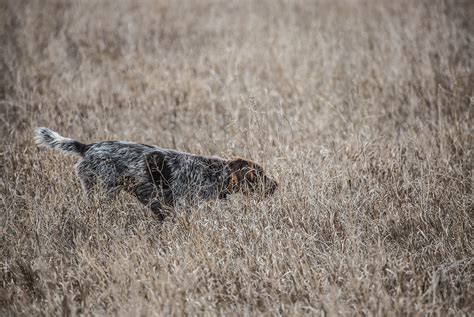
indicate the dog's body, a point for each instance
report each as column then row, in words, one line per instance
column 158, row 177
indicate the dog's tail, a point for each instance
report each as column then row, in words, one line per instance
column 49, row 138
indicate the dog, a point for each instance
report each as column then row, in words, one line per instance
column 159, row 178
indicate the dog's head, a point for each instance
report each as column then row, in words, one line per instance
column 248, row 177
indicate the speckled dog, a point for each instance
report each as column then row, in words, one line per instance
column 158, row 177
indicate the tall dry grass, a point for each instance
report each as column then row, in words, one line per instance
column 363, row 110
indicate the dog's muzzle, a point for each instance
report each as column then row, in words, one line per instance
column 270, row 186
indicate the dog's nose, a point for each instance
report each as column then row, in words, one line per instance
column 274, row 186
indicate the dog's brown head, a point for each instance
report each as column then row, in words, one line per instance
column 248, row 177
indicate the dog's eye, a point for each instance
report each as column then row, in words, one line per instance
column 259, row 169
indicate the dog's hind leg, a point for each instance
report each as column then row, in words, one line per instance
column 111, row 187
column 87, row 177
column 88, row 182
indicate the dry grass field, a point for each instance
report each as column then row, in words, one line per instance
column 362, row 110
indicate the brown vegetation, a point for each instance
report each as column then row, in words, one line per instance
column 363, row 111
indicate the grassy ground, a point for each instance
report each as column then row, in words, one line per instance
column 363, row 110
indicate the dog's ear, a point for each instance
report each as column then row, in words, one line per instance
column 158, row 168
column 241, row 174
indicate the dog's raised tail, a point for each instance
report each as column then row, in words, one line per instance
column 48, row 138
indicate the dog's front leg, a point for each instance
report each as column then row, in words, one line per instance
column 147, row 194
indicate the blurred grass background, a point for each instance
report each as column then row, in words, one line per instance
column 361, row 109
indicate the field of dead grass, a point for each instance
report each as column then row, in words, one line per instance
column 363, row 111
